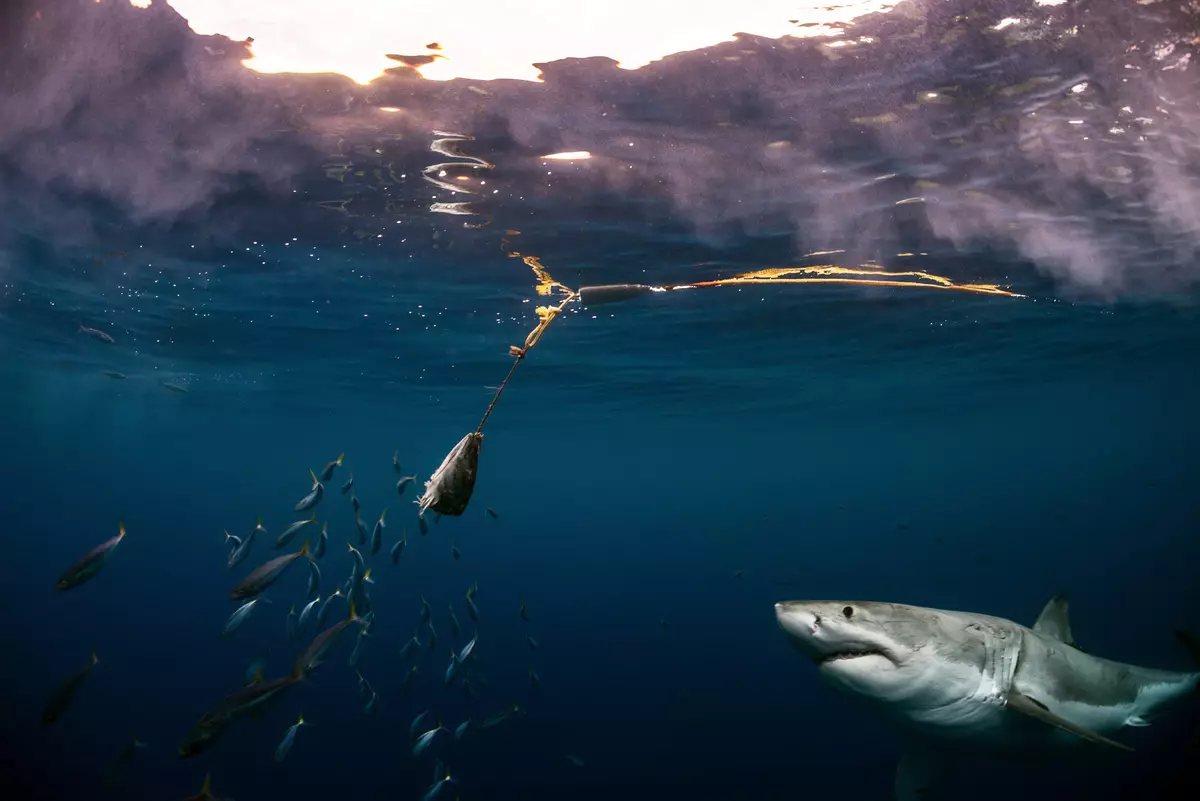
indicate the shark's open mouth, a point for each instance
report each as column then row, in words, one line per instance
column 838, row 656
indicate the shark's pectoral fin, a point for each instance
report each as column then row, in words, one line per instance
column 1037, row 710
column 1054, row 621
column 920, row 772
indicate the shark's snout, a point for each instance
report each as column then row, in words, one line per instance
column 798, row 622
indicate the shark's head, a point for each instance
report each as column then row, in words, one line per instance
column 900, row 655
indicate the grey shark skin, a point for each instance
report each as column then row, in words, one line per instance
column 968, row 680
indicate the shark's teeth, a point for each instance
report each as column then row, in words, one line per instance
column 839, row 655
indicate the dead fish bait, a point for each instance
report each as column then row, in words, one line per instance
column 448, row 490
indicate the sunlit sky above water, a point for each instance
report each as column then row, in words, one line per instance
column 485, row 40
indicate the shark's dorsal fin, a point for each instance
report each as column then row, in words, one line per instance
column 1037, row 710
column 919, row 773
column 1054, row 621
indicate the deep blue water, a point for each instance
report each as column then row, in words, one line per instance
column 663, row 470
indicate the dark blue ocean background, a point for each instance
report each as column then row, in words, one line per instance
column 663, row 470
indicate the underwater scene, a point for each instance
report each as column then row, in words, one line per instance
column 495, row 402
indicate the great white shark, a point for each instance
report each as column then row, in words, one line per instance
column 965, row 680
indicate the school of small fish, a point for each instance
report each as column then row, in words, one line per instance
column 307, row 622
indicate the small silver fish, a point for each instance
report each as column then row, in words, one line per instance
column 95, row 333
column 243, row 549
column 377, row 533
column 359, row 566
column 90, row 563
column 319, row 551
column 454, row 629
column 327, row 473
column 323, row 610
column 461, row 730
column 116, row 375
column 236, row 540
column 435, row 791
column 534, row 681
column 524, row 614
column 306, row 615
column 467, row 649
column 354, row 502
column 432, row 637
column 239, row 616
column 410, row 677
column 425, row 740
column 314, row 578
column 288, row 738
column 492, row 513
column 472, row 610
column 423, row 526
column 313, row 497
column 357, row 652
column 348, row 485
column 289, row 533
column 416, row 724
column 398, row 548
column 454, row 551
column 413, row 643
column 496, row 720
column 396, row 461
column 370, row 707
column 426, row 610
column 403, row 483
column 362, row 529
column 532, row 642
column 452, row 668
column 364, row 688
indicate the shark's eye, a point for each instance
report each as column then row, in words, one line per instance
column 848, row 611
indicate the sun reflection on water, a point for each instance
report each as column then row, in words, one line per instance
column 488, row 40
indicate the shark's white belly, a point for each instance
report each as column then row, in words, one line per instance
column 1098, row 695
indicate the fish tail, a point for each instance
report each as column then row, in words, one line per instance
column 95, row 659
column 121, row 528
column 313, row 519
column 383, row 514
column 353, row 611
column 206, row 788
column 341, row 456
column 314, row 475
column 304, row 548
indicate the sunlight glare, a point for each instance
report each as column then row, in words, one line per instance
column 488, row 40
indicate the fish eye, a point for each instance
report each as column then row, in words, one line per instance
column 848, row 611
